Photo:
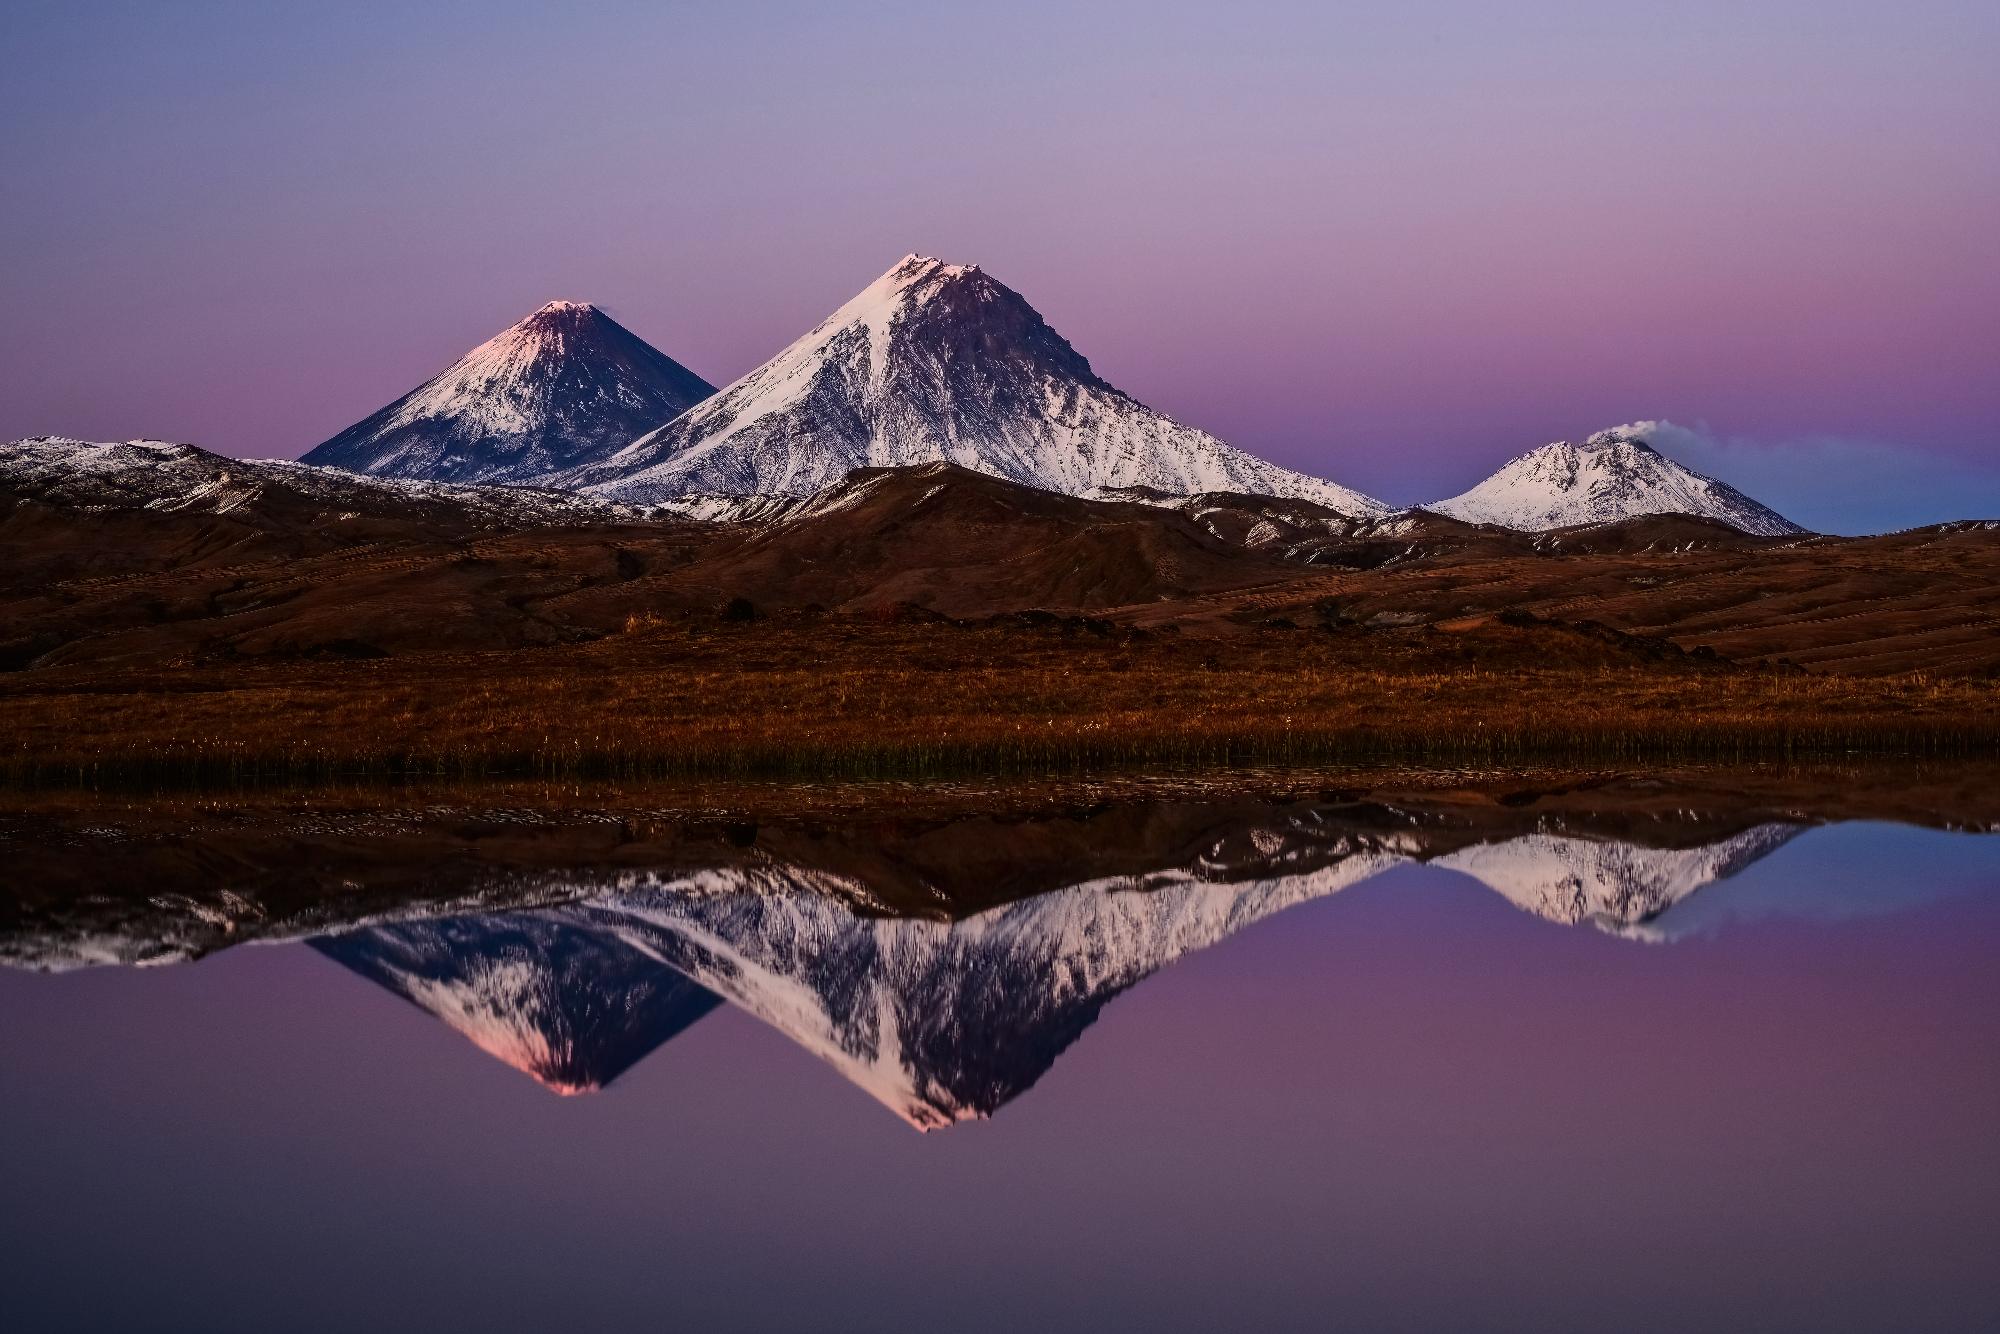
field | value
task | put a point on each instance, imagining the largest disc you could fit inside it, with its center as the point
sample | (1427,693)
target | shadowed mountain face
(566,386)
(572,1009)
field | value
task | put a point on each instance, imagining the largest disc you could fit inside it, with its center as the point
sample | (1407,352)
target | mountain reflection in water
(942,968)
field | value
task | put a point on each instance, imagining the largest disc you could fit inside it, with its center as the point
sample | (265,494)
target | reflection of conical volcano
(942,1021)
(572,1009)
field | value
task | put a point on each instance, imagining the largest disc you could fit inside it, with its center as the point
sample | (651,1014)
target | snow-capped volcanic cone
(1613,475)
(934,362)
(566,386)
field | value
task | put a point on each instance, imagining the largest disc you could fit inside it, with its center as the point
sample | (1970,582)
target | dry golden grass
(838,697)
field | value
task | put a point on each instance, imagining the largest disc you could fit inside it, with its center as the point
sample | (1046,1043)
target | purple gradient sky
(1390,247)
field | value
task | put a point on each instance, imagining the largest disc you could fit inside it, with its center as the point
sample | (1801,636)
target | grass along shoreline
(858,701)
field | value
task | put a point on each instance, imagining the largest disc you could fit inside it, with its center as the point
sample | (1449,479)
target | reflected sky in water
(1415,1099)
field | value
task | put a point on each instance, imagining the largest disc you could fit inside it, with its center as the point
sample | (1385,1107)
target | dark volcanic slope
(1310,534)
(1927,599)
(143,554)
(566,386)
(72,508)
(283,574)
(146,551)
(965,544)
(1664,534)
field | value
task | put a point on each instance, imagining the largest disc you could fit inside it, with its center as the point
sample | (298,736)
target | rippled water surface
(1369,1064)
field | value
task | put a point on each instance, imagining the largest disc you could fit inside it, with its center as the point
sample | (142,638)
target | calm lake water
(1297,1074)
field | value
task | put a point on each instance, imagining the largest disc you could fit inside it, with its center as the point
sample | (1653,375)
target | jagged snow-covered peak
(166,477)
(934,362)
(1615,474)
(565,386)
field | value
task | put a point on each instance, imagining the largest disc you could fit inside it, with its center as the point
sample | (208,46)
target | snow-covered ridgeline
(166,477)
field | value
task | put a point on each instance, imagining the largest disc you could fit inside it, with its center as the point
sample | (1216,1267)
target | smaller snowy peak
(564,386)
(1613,475)
(1615,886)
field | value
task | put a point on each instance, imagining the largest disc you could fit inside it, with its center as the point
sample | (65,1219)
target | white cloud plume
(1833,484)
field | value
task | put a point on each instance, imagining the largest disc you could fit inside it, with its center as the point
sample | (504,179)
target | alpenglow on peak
(565,386)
